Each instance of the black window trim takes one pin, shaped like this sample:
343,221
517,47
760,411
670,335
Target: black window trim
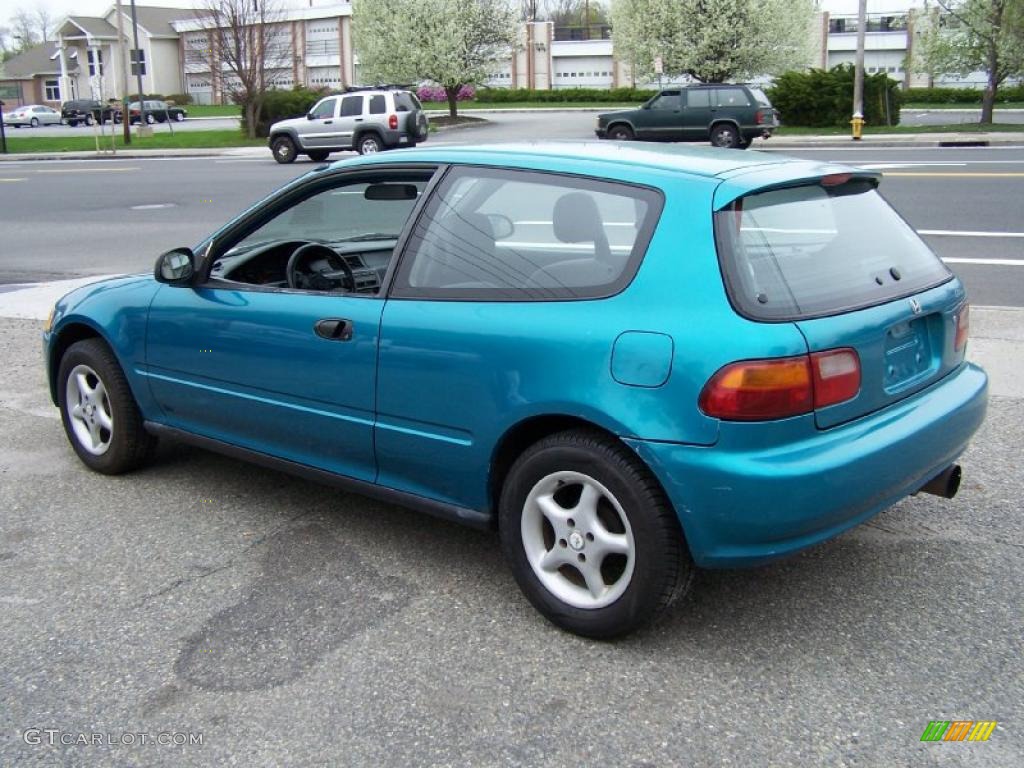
302,189
725,268
640,246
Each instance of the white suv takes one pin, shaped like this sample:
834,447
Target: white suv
366,120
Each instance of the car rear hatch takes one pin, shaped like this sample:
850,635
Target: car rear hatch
831,256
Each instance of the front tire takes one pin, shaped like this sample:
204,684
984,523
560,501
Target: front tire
34,122
90,120
369,144
150,120
179,117
590,536
621,133
284,150
100,416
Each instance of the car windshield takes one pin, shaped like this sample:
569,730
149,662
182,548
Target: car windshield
805,251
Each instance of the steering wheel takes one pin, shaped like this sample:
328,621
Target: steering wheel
339,274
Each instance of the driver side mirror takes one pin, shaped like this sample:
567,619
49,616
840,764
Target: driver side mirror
310,116
501,225
176,267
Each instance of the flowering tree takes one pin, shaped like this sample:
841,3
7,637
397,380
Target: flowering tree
972,35
714,40
451,42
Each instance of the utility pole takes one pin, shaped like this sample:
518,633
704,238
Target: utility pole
125,58
858,72
138,73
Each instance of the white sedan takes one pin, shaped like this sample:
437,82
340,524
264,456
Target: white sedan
32,115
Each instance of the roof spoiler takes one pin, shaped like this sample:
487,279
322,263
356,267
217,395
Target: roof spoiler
780,176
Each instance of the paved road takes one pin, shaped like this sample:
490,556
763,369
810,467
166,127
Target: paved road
951,116
115,216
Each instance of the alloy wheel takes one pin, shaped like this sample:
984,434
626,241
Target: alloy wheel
89,410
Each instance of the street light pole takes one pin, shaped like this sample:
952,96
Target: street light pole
858,72
126,125
138,69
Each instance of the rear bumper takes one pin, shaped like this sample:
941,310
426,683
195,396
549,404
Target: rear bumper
749,500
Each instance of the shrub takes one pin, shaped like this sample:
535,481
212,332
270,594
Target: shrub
437,93
820,98
282,104
960,95
180,99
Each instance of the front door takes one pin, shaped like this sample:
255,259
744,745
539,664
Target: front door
660,119
277,350
321,129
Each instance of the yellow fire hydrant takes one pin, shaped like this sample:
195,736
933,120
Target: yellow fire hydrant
858,125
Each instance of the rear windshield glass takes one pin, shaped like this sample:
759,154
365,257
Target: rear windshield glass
813,250
406,102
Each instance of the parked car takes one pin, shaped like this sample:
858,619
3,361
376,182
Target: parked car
367,120
88,111
156,112
632,361
32,115
727,115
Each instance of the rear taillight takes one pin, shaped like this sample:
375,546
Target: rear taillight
760,390
760,117
963,324
393,122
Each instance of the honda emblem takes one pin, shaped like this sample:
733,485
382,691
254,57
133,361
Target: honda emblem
915,306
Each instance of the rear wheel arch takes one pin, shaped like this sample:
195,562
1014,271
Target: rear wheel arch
520,436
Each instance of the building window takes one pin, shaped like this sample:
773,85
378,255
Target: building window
138,58
52,90
95,62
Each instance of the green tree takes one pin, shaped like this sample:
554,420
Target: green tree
451,42
714,40
972,35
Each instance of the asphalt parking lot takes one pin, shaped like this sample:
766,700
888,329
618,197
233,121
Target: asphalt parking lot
289,624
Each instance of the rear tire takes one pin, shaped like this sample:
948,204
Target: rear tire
725,136
90,120
590,536
369,144
621,133
318,157
101,418
150,120
284,150
34,122
179,117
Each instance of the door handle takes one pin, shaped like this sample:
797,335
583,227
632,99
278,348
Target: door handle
334,329
328,122
358,120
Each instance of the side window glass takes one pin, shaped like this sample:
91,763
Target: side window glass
351,106
324,109
520,235
377,105
731,97
669,101
350,228
698,97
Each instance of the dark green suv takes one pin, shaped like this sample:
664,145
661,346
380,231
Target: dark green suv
727,115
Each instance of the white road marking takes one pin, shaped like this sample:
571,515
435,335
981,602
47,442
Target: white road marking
986,262
152,206
954,233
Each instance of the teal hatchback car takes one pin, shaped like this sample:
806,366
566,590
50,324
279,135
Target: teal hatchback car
632,361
